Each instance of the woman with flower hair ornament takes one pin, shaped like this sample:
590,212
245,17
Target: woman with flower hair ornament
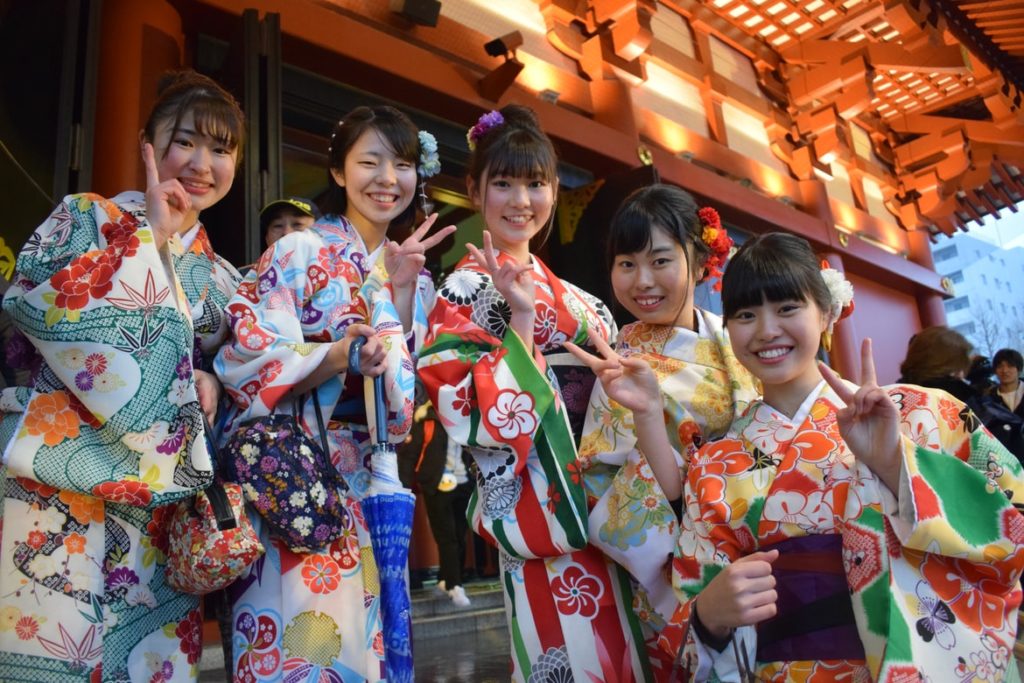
316,616
841,532
504,388
123,298
660,246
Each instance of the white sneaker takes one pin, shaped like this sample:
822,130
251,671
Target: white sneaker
459,597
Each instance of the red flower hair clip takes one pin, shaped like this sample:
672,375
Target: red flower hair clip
718,241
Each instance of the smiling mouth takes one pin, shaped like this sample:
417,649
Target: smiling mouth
648,301
195,186
518,220
383,198
774,354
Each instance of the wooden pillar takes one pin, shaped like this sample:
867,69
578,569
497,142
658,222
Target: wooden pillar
140,40
845,354
929,304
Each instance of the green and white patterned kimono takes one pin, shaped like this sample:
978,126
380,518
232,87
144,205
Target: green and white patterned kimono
111,433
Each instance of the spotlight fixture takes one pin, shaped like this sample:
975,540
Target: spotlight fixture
548,95
422,12
505,46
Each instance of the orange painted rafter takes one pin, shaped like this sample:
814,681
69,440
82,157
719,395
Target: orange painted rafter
985,7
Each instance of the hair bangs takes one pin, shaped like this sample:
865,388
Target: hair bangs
763,277
631,231
522,157
215,119
399,135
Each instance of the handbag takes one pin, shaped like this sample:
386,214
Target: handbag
289,478
210,539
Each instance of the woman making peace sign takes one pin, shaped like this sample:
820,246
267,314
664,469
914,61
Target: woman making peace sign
123,298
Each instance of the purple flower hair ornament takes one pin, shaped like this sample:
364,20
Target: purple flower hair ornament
486,123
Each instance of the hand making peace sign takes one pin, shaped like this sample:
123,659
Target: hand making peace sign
514,281
870,422
628,381
168,205
405,261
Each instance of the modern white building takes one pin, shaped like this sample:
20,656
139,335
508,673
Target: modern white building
988,281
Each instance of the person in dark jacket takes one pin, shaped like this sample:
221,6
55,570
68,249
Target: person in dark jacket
939,357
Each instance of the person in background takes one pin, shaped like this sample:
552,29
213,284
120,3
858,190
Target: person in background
939,357
427,465
124,300
1008,364
284,216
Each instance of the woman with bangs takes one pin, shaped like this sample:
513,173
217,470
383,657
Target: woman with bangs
502,387
316,616
842,531
671,384
124,299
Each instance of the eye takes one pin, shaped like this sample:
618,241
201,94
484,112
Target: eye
500,182
183,142
624,263
789,307
222,151
403,165
743,316
538,183
662,261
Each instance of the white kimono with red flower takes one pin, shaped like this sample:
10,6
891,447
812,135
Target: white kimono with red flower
111,433
316,616
563,599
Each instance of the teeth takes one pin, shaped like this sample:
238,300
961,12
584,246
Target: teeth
383,197
648,302
518,220
772,353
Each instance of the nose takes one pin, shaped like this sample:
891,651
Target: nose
767,327
386,173
644,277
200,161
520,195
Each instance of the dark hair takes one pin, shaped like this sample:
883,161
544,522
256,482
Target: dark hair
215,112
1010,356
663,206
517,148
935,352
395,129
776,266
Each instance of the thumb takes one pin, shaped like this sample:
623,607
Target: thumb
760,556
360,330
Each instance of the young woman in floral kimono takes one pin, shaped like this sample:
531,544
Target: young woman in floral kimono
316,616
123,298
659,247
502,386
842,532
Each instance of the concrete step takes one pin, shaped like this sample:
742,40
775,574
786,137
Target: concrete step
430,602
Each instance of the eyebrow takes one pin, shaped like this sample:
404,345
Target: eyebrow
658,250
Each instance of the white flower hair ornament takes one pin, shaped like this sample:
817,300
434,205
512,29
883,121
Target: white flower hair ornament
840,293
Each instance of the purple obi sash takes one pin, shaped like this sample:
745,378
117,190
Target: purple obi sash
815,615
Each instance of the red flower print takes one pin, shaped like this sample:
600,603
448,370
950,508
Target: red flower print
26,628
513,414
72,285
577,592
128,492
812,446
158,526
84,414
726,456
74,543
95,364
378,643
36,539
32,486
321,574
575,471
905,673
269,372
687,430
463,400
554,498
260,656
1013,526
101,274
950,412
190,631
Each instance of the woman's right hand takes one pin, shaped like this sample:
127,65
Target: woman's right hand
167,202
372,355
742,594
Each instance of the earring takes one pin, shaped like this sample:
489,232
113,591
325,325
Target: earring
826,339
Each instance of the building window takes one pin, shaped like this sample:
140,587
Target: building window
958,304
957,276
965,329
945,253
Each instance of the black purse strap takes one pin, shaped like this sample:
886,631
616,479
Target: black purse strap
215,492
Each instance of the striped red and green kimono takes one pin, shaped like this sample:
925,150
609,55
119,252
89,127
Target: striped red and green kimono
514,411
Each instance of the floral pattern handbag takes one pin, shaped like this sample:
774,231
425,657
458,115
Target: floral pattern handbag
210,540
289,479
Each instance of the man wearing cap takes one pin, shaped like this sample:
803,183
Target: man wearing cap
283,216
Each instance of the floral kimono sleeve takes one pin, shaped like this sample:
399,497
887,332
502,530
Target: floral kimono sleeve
114,412
958,484
495,398
710,539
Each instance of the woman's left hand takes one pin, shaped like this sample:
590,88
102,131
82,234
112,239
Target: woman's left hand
630,382
870,422
208,389
405,261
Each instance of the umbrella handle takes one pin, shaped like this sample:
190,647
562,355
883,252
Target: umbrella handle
380,410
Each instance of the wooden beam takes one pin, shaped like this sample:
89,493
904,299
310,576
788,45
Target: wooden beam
970,7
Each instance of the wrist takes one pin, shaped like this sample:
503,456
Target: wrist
714,636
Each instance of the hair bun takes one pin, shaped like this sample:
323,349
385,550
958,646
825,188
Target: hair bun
519,116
